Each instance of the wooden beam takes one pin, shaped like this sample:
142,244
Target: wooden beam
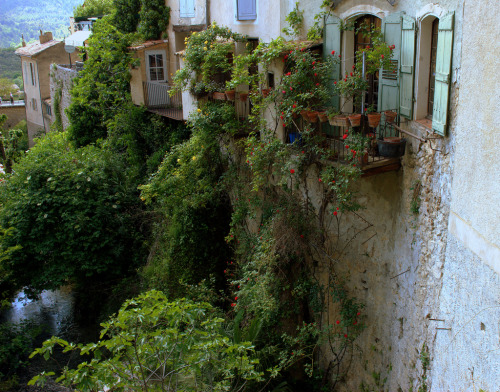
188,28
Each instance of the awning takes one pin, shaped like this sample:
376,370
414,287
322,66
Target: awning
78,38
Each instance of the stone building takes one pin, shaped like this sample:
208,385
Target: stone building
428,264
36,59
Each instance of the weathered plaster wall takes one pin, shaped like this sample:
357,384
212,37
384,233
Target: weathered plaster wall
467,356
62,78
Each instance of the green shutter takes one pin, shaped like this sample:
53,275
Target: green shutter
331,41
443,71
406,67
388,88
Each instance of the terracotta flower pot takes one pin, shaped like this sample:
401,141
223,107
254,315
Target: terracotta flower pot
303,113
243,97
322,117
219,96
230,95
374,119
355,120
339,121
312,116
390,116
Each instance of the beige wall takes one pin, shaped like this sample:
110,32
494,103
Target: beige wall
14,113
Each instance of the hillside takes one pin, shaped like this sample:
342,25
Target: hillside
29,16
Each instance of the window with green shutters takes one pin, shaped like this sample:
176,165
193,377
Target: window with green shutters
186,8
396,90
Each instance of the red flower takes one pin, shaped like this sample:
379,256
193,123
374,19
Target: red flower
314,62
355,323
233,305
367,46
283,91
335,213
236,298
303,152
292,171
345,136
358,314
333,52
286,56
294,106
338,321
381,56
291,88
315,74
317,84
225,271
302,236
333,182
340,56
281,117
338,208
347,146
351,73
335,82
345,336
320,180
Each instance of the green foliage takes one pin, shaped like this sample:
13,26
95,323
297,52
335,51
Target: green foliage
6,87
207,54
126,17
154,17
93,8
16,343
27,17
156,345
295,20
71,212
103,87
10,66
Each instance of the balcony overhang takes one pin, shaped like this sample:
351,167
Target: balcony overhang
189,28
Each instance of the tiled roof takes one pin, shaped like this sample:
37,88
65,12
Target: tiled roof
147,44
35,48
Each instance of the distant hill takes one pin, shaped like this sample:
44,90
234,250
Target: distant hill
29,16
10,65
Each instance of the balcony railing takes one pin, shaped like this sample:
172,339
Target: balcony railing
158,100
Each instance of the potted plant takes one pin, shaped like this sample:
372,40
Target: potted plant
373,117
390,116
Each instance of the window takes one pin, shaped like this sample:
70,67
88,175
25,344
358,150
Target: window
33,75
48,109
34,104
156,66
247,9
395,90
360,42
432,68
186,8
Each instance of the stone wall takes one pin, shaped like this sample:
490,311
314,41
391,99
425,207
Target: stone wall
61,81
15,113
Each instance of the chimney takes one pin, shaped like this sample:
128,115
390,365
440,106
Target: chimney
45,37
23,41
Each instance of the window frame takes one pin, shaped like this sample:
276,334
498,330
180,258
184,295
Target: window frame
161,52
241,14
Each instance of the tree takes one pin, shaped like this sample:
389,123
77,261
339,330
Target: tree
71,212
94,8
156,345
154,17
126,17
6,87
103,87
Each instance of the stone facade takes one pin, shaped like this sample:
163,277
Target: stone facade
61,82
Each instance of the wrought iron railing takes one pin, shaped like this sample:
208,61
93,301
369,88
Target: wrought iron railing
331,139
157,98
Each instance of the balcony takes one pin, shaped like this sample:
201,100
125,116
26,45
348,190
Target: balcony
373,162
157,100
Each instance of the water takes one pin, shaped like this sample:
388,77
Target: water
53,310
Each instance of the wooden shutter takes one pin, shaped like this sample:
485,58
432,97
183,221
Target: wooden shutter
247,9
331,42
388,88
407,67
186,8
443,71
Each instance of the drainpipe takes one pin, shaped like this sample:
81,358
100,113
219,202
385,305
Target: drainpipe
207,13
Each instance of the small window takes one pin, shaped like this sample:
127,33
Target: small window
33,80
156,66
432,68
34,104
186,8
270,80
49,110
247,9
